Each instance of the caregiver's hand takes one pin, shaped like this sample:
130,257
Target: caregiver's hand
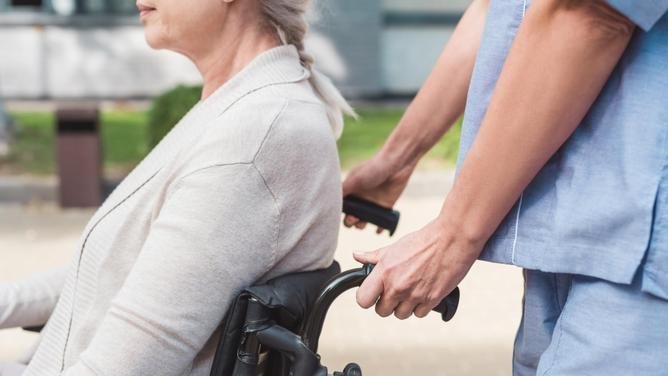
377,180
417,272
530,116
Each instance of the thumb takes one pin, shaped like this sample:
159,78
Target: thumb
349,185
368,257
356,180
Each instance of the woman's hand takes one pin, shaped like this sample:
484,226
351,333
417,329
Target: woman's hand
377,180
414,274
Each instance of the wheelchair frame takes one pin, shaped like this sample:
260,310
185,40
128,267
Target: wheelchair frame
267,348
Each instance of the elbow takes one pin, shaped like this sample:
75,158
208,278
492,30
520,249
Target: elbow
604,20
596,19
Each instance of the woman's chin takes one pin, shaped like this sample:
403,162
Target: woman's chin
154,39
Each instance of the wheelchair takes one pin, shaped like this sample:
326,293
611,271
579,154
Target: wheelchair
273,329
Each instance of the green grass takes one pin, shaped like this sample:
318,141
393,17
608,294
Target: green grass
33,148
125,140
124,137
361,139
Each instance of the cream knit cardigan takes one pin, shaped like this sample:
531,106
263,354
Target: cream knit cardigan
246,187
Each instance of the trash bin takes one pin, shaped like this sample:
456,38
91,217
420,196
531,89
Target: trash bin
79,156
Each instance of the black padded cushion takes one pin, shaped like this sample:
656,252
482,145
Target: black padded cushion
288,297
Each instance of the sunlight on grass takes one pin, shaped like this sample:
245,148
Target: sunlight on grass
361,139
125,140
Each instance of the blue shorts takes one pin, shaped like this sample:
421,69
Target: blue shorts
576,325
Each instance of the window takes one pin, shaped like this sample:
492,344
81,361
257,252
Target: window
70,7
106,6
25,3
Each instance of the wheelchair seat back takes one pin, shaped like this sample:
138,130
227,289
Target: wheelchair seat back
286,301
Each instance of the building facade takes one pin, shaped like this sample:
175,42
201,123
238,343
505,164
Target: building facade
59,49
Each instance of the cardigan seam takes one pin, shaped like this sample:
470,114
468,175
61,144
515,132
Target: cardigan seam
277,229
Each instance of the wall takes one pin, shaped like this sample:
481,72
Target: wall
370,48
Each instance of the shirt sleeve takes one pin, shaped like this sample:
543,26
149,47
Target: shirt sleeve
30,302
644,13
215,234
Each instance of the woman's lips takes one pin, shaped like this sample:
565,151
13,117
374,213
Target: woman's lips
144,9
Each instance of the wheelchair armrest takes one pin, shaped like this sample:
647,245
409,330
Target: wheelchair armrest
34,329
289,298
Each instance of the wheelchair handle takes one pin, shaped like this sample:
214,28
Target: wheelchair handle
368,211
312,328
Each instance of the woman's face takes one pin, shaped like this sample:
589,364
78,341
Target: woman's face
184,26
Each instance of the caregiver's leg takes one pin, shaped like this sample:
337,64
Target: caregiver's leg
11,369
544,297
608,329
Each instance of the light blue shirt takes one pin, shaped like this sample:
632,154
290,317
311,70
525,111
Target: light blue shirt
599,207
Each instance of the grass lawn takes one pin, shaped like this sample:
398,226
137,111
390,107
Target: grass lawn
124,140
361,139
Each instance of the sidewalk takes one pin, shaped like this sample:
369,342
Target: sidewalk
478,341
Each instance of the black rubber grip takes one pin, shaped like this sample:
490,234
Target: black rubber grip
448,306
370,212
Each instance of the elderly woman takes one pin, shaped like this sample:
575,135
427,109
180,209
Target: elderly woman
245,187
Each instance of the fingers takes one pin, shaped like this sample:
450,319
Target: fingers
368,257
370,290
404,310
423,309
386,305
350,221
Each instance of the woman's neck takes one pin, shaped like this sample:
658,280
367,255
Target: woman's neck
230,54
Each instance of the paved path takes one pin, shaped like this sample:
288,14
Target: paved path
477,342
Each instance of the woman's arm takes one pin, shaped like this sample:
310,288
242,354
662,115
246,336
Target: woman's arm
215,234
438,104
30,302
561,58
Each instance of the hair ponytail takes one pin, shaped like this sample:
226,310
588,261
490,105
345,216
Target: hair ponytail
288,17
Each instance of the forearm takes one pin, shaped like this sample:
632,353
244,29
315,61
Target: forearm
30,302
562,56
441,100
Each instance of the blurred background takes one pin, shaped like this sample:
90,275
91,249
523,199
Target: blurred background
83,99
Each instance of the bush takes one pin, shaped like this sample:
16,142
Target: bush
168,109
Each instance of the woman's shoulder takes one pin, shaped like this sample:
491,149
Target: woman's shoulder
287,114
279,123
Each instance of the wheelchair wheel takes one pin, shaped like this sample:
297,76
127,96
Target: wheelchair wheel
352,369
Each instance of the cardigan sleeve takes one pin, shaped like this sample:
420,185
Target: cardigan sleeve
215,234
30,302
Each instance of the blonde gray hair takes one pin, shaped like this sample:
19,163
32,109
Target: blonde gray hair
289,19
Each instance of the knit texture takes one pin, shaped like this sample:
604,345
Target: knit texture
245,188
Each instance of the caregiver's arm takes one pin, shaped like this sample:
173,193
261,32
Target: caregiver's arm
441,100
30,302
561,58
438,104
